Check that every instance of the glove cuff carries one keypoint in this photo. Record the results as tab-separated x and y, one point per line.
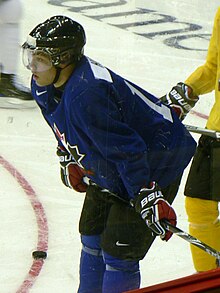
147	196
188	91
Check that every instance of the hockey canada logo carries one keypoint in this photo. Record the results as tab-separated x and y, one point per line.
73	149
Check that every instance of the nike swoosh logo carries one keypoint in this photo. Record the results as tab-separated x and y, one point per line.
122	244
40	93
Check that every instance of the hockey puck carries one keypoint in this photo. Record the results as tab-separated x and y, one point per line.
38	254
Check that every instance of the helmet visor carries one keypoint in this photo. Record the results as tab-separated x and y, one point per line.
36	60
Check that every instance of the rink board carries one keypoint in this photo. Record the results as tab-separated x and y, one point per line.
206	282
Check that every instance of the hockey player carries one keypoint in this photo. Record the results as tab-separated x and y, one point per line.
118	143
202	188
12	93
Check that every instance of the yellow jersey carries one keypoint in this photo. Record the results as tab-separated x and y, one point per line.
206	78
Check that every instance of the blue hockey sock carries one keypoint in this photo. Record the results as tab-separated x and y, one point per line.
92	266
120	275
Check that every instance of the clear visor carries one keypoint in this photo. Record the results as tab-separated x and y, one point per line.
36	60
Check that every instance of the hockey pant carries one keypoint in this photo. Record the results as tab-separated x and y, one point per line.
102	273
204	225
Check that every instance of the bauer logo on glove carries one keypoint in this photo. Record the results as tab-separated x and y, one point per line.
181	99
153	208
152	196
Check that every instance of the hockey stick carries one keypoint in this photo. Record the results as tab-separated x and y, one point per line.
204	131
191	239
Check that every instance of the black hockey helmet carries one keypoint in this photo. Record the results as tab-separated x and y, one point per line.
60	37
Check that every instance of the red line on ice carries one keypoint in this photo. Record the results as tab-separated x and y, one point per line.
41	222
200	115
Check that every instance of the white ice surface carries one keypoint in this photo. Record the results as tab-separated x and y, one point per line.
28	144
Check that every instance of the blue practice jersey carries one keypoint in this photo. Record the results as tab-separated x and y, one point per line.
119	133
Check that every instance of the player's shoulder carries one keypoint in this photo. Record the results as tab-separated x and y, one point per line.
99	72
91	71
89	77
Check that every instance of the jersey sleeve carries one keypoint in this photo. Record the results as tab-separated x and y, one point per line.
203	79
100	118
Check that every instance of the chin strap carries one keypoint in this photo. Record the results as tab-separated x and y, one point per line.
58	71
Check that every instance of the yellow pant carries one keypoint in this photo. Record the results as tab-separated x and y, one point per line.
204	225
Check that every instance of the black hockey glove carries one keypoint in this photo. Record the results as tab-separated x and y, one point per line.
181	99
71	174
154	208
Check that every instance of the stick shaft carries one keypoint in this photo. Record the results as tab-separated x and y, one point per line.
204	131
192	240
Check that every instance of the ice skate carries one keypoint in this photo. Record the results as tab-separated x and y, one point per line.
14	95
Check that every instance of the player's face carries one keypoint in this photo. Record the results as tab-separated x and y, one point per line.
44	78
40	65
36	60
